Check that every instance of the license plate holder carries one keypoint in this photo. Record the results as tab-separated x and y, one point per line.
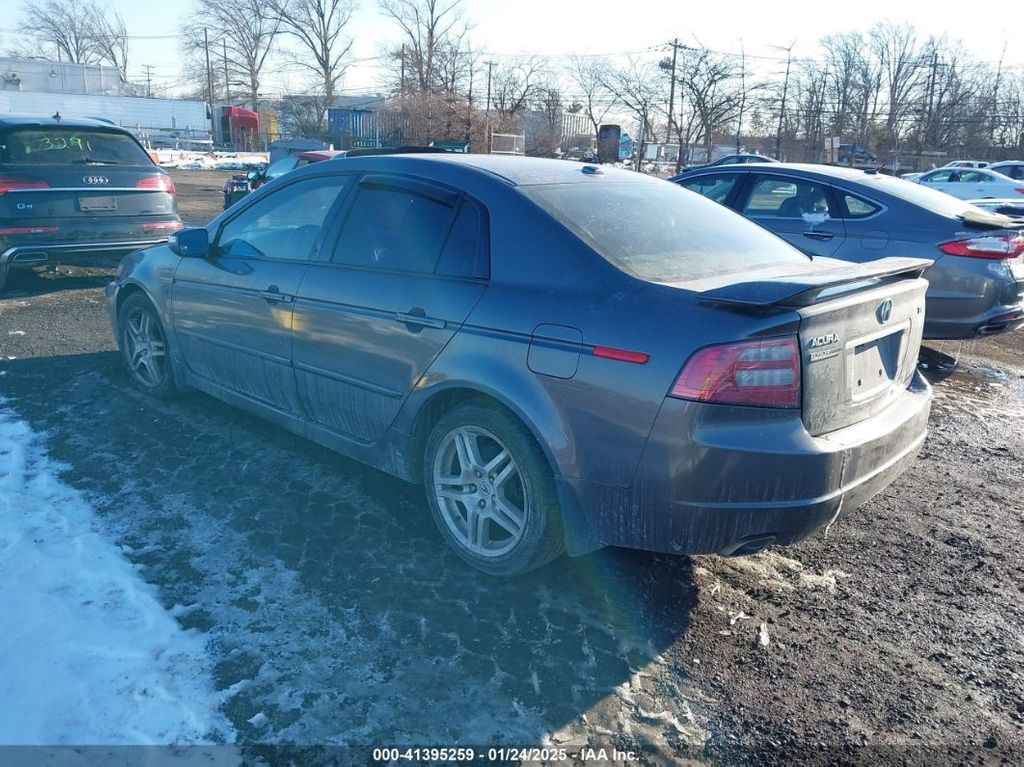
874	363
100	203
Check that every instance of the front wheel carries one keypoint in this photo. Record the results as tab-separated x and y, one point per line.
145	348
491	491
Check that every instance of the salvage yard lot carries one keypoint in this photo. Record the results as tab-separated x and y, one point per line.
334	613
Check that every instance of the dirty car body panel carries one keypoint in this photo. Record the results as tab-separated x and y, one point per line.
550	301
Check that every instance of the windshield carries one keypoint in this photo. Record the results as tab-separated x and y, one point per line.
66	145
660	232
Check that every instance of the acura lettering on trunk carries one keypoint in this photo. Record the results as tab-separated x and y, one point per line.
563	356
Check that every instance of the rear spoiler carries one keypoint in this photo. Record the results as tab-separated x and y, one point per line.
812	286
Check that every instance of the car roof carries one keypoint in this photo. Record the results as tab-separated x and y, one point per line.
833	171
320	154
512	170
7	121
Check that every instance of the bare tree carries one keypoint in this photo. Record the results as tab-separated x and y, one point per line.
715	87
431	30
66	26
319	28
590	75
900	60
514	82
639	87
246	29
110	38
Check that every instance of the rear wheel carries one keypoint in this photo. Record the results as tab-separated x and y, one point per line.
145	348
491	491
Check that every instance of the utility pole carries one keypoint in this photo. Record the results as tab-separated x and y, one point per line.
743	93
640	139
782	106
227	83
672	91
209	77
469	111
401	83
149	83
487	131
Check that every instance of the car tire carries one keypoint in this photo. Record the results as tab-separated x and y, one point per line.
512	500
145	348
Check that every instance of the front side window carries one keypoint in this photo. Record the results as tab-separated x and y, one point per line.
285	224
60	145
394	229
938	177
773	197
715	187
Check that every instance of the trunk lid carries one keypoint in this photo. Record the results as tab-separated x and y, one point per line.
82	191
860	333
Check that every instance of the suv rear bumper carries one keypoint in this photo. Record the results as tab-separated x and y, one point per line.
722	480
41	253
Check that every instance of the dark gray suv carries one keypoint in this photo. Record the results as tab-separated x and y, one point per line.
77	188
976	285
563	355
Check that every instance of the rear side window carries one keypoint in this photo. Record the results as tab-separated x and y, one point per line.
715	187
394	229
858	208
62	146
466	252
660	232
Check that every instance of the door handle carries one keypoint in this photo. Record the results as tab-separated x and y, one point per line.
416	318
823	236
273	293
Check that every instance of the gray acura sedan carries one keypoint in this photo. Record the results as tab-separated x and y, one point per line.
565	356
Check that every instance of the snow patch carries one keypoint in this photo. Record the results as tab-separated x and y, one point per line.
87	653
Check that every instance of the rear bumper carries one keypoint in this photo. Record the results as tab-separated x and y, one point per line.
995	320
33	254
716	479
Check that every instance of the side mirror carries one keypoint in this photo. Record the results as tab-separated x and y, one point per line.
254	175
190	243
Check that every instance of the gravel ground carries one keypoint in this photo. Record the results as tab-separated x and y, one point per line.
332	607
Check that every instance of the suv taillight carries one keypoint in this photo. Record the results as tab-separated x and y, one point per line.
987	246
15	184
761	373
157	184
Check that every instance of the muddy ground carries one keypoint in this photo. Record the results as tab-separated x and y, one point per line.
332	607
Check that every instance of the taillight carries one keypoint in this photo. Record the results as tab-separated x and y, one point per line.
1019	190
157	184
762	373
15	184
988	246
162	226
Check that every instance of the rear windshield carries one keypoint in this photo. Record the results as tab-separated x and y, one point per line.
62	146
660	232
917	194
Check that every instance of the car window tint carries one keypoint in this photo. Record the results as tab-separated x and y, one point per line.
858	208
974	177
390	228
59	145
938	177
280	167
465	252
786	198
660	232
714	187
283	224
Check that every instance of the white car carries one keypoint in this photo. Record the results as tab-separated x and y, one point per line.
966	164
972	183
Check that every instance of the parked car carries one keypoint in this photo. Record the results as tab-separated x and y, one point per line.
966	164
969	184
240	186
735	159
1012	208
73	189
1011	168
977	280
488	327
